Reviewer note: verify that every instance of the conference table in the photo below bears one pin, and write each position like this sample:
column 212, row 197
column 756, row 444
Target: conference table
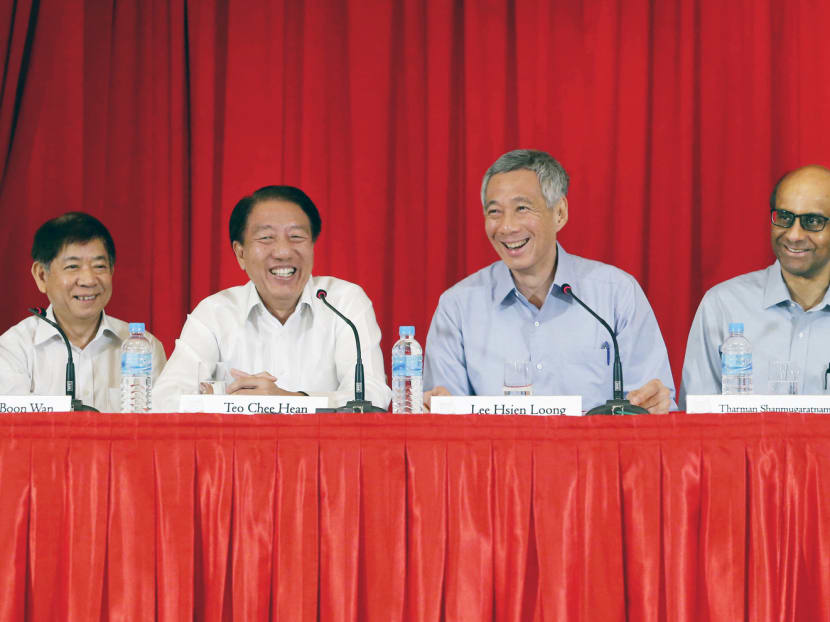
column 417, row 517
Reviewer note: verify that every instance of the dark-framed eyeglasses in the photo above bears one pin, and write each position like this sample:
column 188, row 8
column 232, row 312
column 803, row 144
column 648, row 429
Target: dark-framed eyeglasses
column 809, row 222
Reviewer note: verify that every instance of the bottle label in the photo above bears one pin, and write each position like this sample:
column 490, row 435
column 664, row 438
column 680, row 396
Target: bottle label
column 136, row 364
column 736, row 364
column 407, row 365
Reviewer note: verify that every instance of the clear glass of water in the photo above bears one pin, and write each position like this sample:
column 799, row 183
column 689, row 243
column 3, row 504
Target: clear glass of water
column 518, row 378
column 784, row 378
column 209, row 384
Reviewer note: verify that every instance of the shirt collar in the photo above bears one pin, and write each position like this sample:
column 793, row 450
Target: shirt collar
column 776, row 290
column 46, row 331
column 255, row 301
column 503, row 284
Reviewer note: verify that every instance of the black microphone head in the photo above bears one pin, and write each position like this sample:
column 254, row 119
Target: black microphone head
column 567, row 288
column 38, row 311
column 321, row 293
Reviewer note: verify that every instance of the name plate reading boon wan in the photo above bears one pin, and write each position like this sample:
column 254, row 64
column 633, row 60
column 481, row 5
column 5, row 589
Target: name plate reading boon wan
column 10, row 404
column 758, row 403
column 251, row 404
column 544, row 405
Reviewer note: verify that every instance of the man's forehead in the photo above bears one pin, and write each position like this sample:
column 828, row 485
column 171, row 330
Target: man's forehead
column 83, row 250
column 273, row 214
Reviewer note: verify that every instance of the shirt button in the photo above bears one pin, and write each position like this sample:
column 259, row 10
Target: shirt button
column 536, row 324
column 538, row 366
column 800, row 335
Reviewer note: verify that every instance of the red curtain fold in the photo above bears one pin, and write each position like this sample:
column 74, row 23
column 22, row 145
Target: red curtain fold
column 673, row 118
column 348, row 517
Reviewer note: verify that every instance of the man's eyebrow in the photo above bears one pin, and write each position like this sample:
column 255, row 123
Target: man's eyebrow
column 74, row 258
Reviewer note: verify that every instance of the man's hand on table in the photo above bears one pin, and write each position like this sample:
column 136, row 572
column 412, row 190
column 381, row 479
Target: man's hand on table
column 428, row 396
column 654, row 396
column 262, row 383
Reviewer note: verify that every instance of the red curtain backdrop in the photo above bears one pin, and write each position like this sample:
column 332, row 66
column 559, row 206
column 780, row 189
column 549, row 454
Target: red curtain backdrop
column 673, row 118
column 682, row 518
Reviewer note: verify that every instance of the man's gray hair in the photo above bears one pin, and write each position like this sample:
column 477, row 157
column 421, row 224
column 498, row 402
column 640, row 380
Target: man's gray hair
column 552, row 177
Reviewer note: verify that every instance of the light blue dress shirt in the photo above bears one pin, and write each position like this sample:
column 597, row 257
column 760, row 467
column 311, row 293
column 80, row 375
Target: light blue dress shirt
column 776, row 326
column 484, row 321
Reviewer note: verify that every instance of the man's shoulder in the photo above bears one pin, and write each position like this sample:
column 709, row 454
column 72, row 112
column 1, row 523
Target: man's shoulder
column 597, row 272
column 231, row 299
column 333, row 285
column 479, row 282
column 743, row 286
column 21, row 333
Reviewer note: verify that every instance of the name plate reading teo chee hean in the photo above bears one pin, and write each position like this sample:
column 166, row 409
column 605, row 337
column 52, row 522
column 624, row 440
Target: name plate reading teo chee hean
column 251, row 404
column 758, row 403
column 544, row 405
column 10, row 404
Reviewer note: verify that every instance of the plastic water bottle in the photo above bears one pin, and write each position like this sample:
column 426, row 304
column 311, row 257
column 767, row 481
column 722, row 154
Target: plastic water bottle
column 736, row 362
column 136, row 371
column 407, row 373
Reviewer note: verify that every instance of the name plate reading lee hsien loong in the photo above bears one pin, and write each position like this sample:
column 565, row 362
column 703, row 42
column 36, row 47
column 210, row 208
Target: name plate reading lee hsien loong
column 544, row 405
column 758, row 403
column 251, row 404
column 10, row 404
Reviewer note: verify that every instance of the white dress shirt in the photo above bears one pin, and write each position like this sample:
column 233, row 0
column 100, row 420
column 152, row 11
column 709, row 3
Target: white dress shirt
column 313, row 352
column 33, row 361
column 776, row 326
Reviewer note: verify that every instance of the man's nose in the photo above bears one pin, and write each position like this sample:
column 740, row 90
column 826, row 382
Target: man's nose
column 796, row 232
column 86, row 276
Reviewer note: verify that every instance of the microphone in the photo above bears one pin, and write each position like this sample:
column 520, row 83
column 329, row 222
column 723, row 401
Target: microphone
column 618, row 405
column 40, row 312
column 359, row 404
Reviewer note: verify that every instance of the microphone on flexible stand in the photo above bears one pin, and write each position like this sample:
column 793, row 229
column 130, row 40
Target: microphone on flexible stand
column 40, row 312
column 618, row 405
column 359, row 404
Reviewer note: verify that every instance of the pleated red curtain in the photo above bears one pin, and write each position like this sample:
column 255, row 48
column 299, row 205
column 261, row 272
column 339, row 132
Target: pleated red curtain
column 673, row 118
column 682, row 518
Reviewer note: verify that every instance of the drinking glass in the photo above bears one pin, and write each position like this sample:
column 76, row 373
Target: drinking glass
column 784, row 378
column 518, row 378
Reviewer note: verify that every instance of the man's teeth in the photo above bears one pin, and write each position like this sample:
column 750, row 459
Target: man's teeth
column 515, row 245
column 85, row 297
column 283, row 272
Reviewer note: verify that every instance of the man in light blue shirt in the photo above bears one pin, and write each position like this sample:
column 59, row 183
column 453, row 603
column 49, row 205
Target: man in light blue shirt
column 785, row 308
column 515, row 309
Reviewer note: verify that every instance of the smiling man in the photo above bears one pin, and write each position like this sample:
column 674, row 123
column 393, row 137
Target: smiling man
column 785, row 308
column 273, row 336
column 74, row 260
column 515, row 309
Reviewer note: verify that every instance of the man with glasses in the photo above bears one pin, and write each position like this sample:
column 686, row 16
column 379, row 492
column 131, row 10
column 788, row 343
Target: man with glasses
column 785, row 308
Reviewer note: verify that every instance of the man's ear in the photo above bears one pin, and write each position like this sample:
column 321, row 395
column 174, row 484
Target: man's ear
column 239, row 251
column 39, row 274
column 560, row 213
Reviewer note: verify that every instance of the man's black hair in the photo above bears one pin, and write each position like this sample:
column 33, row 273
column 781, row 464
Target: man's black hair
column 71, row 228
column 239, row 215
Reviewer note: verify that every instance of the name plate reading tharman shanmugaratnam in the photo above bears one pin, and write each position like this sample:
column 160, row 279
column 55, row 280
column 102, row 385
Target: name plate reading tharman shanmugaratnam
column 758, row 403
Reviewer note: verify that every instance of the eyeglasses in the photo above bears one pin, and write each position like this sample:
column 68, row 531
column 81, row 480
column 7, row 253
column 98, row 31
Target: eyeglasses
column 809, row 222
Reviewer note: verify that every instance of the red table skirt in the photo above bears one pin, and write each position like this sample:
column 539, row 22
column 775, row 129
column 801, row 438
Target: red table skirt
column 430, row 517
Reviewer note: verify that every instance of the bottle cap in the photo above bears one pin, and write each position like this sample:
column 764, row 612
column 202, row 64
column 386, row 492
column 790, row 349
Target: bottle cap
column 136, row 327
column 736, row 327
column 406, row 331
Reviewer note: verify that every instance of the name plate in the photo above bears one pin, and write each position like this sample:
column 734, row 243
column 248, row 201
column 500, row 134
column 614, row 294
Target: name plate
column 757, row 403
column 544, row 405
column 34, row 404
column 251, row 404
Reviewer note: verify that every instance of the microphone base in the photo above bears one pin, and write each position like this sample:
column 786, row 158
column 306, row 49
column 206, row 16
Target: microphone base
column 617, row 407
column 78, row 405
column 354, row 406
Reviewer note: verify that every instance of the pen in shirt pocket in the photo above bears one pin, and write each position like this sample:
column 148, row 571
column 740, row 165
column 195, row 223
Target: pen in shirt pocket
column 607, row 347
column 826, row 375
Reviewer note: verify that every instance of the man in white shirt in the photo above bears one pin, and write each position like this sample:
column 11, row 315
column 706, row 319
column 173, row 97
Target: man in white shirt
column 74, row 259
column 785, row 308
column 273, row 336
